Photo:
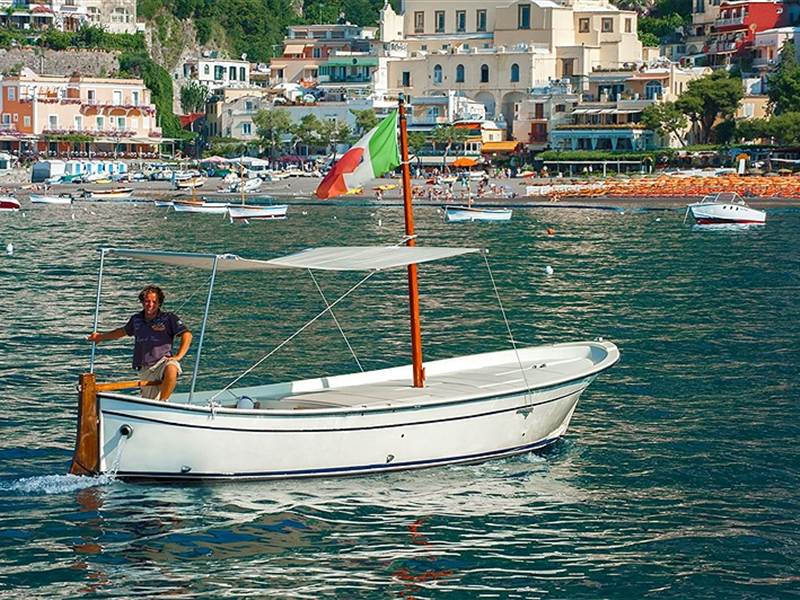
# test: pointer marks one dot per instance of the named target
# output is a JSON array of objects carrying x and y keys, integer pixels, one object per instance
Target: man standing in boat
[{"x": 154, "y": 331}]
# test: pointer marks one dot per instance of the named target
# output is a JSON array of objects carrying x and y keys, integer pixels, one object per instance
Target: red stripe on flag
[{"x": 334, "y": 184}]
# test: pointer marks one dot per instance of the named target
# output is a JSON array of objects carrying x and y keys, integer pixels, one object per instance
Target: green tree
[
  {"x": 447, "y": 135},
  {"x": 271, "y": 125},
  {"x": 749, "y": 130},
  {"x": 666, "y": 119},
  {"x": 365, "y": 119},
  {"x": 193, "y": 97},
  {"x": 158, "y": 81},
  {"x": 715, "y": 96},
  {"x": 785, "y": 128},
  {"x": 784, "y": 83},
  {"x": 416, "y": 142},
  {"x": 307, "y": 132}
]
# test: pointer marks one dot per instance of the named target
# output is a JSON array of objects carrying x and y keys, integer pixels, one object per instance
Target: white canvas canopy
[{"x": 336, "y": 258}]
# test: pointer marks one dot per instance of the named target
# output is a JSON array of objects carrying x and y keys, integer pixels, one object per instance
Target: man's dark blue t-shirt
[{"x": 153, "y": 338}]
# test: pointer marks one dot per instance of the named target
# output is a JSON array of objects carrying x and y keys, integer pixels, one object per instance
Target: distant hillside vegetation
[{"x": 253, "y": 27}]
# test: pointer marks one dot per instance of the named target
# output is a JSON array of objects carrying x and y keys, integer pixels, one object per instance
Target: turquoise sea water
[{"x": 678, "y": 477}]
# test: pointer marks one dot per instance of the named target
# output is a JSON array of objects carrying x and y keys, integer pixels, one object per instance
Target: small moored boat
[
  {"x": 255, "y": 211},
  {"x": 454, "y": 214},
  {"x": 724, "y": 208},
  {"x": 9, "y": 203},
  {"x": 118, "y": 193},
  {"x": 200, "y": 206},
  {"x": 49, "y": 199}
]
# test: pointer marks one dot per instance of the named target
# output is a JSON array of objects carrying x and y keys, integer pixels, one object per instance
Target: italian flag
[{"x": 372, "y": 156}]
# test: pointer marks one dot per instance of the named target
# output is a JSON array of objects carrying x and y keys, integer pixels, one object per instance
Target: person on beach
[{"x": 154, "y": 331}]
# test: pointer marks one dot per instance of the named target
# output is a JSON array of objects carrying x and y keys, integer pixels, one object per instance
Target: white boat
[
  {"x": 255, "y": 211},
  {"x": 464, "y": 409},
  {"x": 109, "y": 194},
  {"x": 9, "y": 203},
  {"x": 200, "y": 206},
  {"x": 454, "y": 214},
  {"x": 49, "y": 199},
  {"x": 163, "y": 203},
  {"x": 190, "y": 183},
  {"x": 725, "y": 208}
]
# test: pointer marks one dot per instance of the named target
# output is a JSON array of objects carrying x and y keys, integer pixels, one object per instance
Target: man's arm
[
  {"x": 102, "y": 336},
  {"x": 186, "y": 341}
]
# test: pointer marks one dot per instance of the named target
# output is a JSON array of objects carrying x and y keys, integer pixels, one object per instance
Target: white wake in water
[{"x": 54, "y": 484}]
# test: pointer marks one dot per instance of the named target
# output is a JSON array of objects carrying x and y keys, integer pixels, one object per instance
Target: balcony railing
[{"x": 729, "y": 21}]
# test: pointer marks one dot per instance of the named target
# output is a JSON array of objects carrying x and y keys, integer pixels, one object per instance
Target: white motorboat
[
  {"x": 255, "y": 211},
  {"x": 200, "y": 206},
  {"x": 725, "y": 208},
  {"x": 459, "y": 410},
  {"x": 9, "y": 203},
  {"x": 454, "y": 214},
  {"x": 120, "y": 193},
  {"x": 49, "y": 199}
]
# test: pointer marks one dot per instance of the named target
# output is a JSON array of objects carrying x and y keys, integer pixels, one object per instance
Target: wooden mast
[{"x": 413, "y": 285}]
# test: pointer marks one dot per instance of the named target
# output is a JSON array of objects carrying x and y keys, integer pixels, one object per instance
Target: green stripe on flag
[{"x": 383, "y": 151}]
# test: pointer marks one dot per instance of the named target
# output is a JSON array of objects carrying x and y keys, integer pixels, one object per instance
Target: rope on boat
[
  {"x": 291, "y": 337},
  {"x": 505, "y": 320},
  {"x": 335, "y": 320}
]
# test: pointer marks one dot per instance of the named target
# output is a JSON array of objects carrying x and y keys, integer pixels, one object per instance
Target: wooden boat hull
[
  {"x": 45, "y": 199},
  {"x": 9, "y": 203},
  {"x": 274, "y": 211},
  {"x": 121, "y": 194},
  {"x": 343, "y": 426},
  {"x": 212, "y": 208},
  {"x": 454, "y": 214}
]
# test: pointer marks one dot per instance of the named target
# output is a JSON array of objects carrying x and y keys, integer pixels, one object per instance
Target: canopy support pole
[
  {"x": 97, "y": 307},
  {"x": 203, "y": 328},
  {"x": 413, "y": 284}
]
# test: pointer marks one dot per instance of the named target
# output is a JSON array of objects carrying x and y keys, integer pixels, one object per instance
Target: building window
[
  {"x": 6, "y": 120},
  {"x": 652, "y": 90},
  {"x": 524, "y": 16},
  {"x": 419, "y": 22},
  {"x": 459, "y": 73},
  {"x": 247, "y": 129},
  {"x": 437, "y": 74},
  {"x": 206, "y": 70},
  {"x": 78, "y": 122},
  {"x": 26, "y": 121},
  {"x": 242, "y": 74},
  {"x": 316, "y": 53},
  {"x": 117, "y": 97},
  {"x": 406, "y": 78},
  {"x": 219, "y": 72},
  {"x": 438, "y": 21},
  {"x": 514, "y": 73},
  {"x": 232, "y": 73},
  {"x": 135, "y": 97},
  {"x": 560, "y": 108},
  {"x": 607, "y": 25},
  {"x": 583, "y": 25},
  {"x": 484, "y": 73},
  {"x": 480, "y": 19},
  {"x": 52, "y": 121},
  {"x": 461, "y": 21},
  {"x": 12, "y": 93},
  {"x": 121, "y": 123},
  {"x": 628, "y": 25},
  {"x": 101, "y": 123}
]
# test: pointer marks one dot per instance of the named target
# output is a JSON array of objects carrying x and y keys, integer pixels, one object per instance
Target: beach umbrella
[{"x": 465, "y": 161}]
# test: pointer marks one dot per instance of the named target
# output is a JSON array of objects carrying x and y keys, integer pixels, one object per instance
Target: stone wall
[{"x": 91, "y": 63}]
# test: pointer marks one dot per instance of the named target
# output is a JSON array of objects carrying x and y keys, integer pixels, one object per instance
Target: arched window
[
  {"x": 514, "y": 73},
  {"x": 437, "y": 74},
  {"x": 460, "y": 74},
  {"x": 484, "y": 73},
  {"x": 653, "y": 89}
]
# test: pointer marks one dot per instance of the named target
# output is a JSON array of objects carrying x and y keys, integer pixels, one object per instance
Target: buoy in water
[
  {"x": 380, "y": 222},
  {"x": 9, "y": 248},
  {"x": 548, "y": 270},
  {"x": 551, "y": 231}
]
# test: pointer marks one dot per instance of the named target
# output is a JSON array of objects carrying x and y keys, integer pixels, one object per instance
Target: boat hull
[
  {"x": 453, "y": 214},
  {"x": 726, "y": 214},
  {"x": 212, "y": 208},
  {"x": 183, "y": 441},
  {"x": 276, "y": 211},
  {"x": 111, "y": 195},
  {"x": 8, "y": 203},
  {"x": 44, "y": 199}
]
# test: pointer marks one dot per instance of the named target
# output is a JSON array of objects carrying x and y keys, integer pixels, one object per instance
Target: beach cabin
[{"x": 45, "y": 169}]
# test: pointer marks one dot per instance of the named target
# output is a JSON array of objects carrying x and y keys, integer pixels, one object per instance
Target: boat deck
[{"x": 497, "y": 379}]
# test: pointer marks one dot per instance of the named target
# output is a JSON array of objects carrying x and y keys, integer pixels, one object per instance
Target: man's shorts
[{"x": 155, "y": 373}]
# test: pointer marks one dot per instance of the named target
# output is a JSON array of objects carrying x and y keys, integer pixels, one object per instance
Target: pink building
[{"x": 77, "y": 116}]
